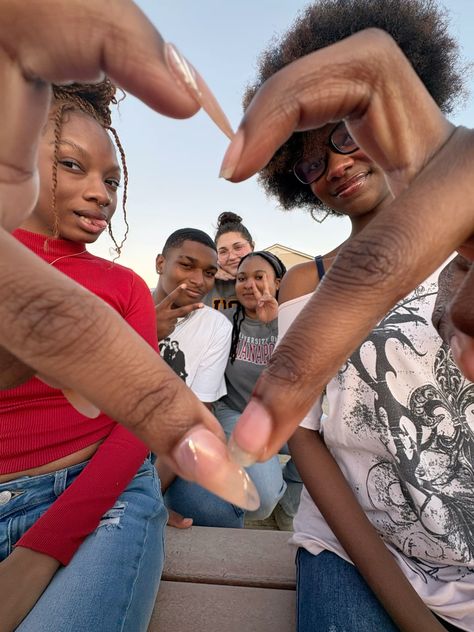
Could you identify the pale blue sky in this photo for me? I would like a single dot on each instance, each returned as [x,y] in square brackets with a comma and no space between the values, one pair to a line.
[173,165]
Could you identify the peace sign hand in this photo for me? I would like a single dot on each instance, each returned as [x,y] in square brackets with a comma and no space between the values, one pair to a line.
[167,313]
[267,305]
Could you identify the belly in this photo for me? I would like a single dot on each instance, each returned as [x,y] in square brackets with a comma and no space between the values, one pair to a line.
[59,464]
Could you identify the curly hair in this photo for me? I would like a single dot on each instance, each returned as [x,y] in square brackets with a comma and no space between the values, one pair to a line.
[229,222]
[94,100]
[419,27]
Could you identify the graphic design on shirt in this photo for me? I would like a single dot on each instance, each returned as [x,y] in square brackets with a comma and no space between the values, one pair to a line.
[174,357]
[423,494]
[255,350]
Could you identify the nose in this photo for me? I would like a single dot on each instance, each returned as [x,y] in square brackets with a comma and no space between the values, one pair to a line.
[196,277]
[97,191]
[338,164]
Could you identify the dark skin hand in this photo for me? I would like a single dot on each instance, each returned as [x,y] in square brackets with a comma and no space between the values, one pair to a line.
[366,80]
[167,313]
[47,321]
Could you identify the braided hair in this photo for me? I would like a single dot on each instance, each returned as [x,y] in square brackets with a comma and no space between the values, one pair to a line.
[239,314]
[93,99]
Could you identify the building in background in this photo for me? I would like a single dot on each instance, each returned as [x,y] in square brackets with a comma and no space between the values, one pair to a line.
[289,256]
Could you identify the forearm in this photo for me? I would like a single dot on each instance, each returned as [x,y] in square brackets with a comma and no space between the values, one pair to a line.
[24,575]
[336,501]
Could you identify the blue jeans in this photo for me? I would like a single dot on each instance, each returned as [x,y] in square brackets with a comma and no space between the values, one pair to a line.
[332,596]
[111,583]
[267,477]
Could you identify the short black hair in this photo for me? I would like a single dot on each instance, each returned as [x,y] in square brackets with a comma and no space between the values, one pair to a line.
[419,27]
[176,239]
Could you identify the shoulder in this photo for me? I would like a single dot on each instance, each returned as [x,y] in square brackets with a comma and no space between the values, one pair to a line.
[300,280]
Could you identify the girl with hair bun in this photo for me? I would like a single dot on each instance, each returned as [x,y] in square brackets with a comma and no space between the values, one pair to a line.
[81,512]
[233,241]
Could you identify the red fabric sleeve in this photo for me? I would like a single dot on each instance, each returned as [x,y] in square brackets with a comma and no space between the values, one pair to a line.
[77,512]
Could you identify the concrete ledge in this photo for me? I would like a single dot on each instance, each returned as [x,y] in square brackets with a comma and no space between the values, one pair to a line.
[183,607]
[239,557]
[217,580]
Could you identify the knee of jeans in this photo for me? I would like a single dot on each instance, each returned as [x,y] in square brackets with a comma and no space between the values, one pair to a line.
[269,497]
[112,518]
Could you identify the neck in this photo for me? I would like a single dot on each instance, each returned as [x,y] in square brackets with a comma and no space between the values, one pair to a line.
[360,222]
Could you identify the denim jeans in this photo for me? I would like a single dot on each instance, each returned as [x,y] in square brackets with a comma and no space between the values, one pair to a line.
[111,583]
[332,596]
[267,477]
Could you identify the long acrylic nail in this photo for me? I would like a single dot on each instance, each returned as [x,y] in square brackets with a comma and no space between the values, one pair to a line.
[251,434]
[203,458]
[188,76]
[232,156]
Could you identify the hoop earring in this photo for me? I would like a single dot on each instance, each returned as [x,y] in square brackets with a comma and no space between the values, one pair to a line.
[317,219]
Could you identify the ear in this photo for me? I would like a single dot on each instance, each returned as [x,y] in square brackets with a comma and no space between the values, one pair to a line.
[160,262]
[277,283]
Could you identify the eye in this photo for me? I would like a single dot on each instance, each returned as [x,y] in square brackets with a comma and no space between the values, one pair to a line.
[186,266]
[113,183]
[240,279]
[210,273]
[70,164]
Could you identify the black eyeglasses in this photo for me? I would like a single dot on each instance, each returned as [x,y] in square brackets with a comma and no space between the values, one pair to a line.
[340,141]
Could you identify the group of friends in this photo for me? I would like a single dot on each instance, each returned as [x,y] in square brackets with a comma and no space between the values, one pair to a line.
[115,396]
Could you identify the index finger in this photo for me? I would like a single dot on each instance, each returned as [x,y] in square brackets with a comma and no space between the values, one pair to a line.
[395,252]
[266,287]
[349,80]
[172,296]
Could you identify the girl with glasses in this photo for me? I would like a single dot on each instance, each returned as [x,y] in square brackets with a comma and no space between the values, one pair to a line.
[233,241]
[398,416]
[81,512]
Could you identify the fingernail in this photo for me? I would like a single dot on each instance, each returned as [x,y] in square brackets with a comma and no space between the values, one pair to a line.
[251,434]
[189,77]
[232,156]
[203,458]
[182,70]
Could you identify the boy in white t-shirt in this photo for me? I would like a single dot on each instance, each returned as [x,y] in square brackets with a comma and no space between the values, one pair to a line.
[198,349]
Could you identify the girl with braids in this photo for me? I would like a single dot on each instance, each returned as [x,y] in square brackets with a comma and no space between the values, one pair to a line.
[81,512]
[399,413]
[233,241]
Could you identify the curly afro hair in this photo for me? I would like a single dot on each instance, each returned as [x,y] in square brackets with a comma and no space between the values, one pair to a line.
[419,27]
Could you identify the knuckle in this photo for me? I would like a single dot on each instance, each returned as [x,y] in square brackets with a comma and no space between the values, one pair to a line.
[147,410]
[51,323]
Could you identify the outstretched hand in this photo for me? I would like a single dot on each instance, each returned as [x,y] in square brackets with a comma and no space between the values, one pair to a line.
[366,80]
[167,313]
[47,321]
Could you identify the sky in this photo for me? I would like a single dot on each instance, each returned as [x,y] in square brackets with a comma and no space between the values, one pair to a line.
[173,165]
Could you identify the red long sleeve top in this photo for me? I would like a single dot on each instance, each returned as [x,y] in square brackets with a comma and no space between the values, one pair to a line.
[38,425]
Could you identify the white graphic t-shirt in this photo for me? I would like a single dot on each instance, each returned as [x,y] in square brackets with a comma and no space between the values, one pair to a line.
[198,350]
[400,424]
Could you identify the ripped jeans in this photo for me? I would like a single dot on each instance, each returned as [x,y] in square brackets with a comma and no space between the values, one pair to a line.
[111,583]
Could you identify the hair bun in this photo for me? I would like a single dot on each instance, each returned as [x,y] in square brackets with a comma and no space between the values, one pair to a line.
[227,217]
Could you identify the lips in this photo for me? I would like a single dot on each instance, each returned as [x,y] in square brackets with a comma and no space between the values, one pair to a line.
[91,222]
[351,185]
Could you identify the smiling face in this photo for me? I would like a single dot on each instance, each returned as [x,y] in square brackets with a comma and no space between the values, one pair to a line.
[88,176]
[252,273]
[352,184]
[191,263]
[231,247]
